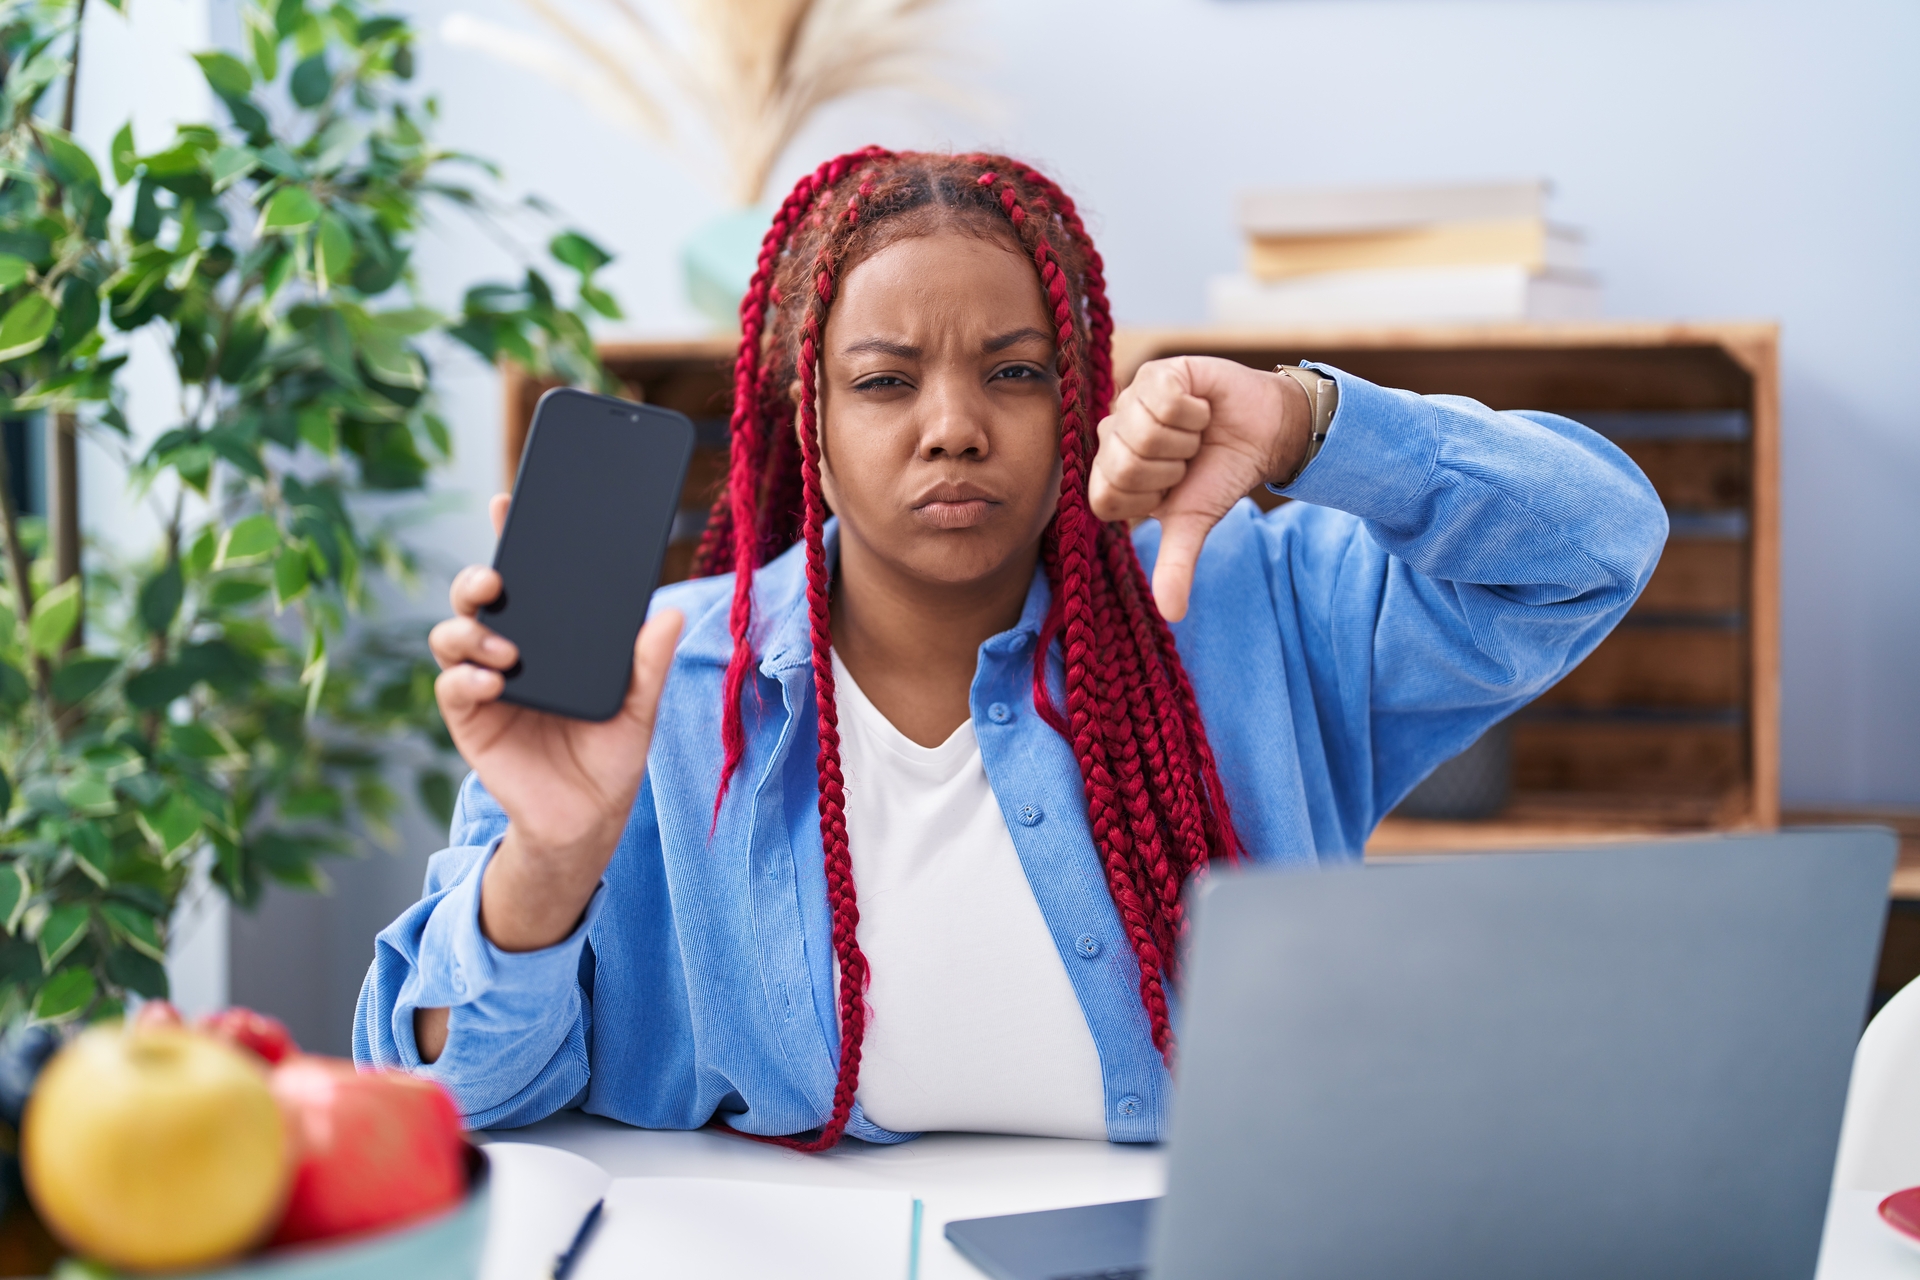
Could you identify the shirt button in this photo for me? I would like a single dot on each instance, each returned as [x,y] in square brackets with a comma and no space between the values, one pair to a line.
[1087,945]
[999,713]
[1029,815]
[1130,1105]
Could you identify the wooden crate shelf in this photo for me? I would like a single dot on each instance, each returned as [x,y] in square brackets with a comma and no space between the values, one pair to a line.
[1672,724]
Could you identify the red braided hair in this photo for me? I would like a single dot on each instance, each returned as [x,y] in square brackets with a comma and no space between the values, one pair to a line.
[1155,803]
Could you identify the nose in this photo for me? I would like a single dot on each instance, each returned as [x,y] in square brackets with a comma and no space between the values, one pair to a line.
[953,418]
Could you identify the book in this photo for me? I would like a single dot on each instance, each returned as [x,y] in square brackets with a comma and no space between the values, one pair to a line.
[1413,294]
[1299,211]
[1532,243]
[688,1228]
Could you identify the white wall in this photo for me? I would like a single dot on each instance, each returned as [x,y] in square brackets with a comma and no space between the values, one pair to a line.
[1731,159]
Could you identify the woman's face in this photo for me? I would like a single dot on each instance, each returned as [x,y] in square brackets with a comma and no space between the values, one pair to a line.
[941,409]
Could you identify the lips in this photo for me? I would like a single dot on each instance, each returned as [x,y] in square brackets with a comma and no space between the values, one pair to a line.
[954,506]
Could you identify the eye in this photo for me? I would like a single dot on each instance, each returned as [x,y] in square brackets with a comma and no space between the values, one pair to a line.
[879,382]
[1017,372]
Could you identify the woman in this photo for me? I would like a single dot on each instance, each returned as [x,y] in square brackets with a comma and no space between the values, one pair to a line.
[903,847]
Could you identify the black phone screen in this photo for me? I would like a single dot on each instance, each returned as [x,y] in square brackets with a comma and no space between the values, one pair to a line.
[592,511]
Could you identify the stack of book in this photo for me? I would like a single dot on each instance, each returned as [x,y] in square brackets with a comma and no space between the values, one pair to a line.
[1358,255]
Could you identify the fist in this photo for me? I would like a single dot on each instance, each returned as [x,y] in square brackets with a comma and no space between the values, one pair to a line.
[1189,438]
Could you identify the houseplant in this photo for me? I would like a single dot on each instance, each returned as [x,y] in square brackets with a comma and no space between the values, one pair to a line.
[193,709]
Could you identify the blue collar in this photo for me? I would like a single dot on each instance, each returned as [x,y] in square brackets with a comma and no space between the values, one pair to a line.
[781,629]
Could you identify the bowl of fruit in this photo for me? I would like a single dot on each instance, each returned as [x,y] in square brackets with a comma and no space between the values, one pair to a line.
[219,1151]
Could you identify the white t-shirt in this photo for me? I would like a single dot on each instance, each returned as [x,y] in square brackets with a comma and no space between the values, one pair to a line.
[973,1023]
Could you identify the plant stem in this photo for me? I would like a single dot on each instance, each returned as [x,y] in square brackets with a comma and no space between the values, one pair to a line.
[64,482]
[73,67]
[19,569]
[64,492]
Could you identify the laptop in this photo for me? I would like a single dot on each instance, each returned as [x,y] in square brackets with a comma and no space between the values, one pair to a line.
[1609,1062]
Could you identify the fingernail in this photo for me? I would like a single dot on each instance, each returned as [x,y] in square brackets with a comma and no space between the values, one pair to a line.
[494,646]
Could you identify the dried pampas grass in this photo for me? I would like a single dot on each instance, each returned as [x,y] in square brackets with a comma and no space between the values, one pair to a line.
[753,71]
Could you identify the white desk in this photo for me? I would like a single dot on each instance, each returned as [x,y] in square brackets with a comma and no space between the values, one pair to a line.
[954,1175]
[970,1176]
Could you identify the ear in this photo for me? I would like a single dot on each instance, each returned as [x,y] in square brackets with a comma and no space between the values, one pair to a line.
[793,392]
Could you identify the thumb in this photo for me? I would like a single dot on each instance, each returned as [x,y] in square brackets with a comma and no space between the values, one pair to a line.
[1181,537]
[652,655]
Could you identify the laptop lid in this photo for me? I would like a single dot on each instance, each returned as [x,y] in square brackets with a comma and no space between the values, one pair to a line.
[1625,1061]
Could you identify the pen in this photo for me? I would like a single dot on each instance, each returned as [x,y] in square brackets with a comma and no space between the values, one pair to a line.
[563,1265]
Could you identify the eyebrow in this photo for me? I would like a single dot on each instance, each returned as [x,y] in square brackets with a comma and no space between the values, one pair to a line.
[882,347]
[1014,338]
[907,351]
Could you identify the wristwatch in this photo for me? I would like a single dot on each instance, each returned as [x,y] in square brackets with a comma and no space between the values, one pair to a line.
[1323,394]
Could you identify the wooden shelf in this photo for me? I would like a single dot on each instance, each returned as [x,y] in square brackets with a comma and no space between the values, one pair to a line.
[1671,725]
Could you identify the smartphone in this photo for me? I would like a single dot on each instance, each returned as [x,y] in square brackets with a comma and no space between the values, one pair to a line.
[592,512]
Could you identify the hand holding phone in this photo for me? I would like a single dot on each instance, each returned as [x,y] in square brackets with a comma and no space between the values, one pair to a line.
[567,784]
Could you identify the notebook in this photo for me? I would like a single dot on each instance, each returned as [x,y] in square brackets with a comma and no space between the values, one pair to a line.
[689,1228]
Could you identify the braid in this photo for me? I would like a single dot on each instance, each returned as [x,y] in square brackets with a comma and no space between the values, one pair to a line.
[739,508]
[1155,804]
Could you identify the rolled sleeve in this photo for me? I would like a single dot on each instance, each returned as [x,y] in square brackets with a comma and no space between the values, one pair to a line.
[459,966]
[1380,452]
[517,1021]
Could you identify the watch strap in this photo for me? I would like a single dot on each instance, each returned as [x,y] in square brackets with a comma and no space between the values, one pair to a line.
[1323,395]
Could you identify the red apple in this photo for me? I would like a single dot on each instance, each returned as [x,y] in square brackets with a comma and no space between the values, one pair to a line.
[377,1148]
[156,1013]
[268,1037]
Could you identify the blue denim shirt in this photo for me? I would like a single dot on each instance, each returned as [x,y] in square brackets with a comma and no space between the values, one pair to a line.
[1442,564]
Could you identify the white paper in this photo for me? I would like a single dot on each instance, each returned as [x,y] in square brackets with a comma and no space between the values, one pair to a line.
[710,1229]
[537,1197]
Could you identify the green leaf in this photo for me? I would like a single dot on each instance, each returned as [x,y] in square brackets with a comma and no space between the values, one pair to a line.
[64,995]
[407,321]
[289,576]
[265,43]
[14,689]
[602,301]
[157,686]
[437,794]
[228,592]
[333,250]
[15,890]
[578,252]
[24,329]
[80,675]
[226,74]
[251,539]
[160,598]
[6,795]
[316,426]
[438,433]
[290,209]
[13,270]
[230,164]
[87,791]
[123,154]
[65,925]
[310,81]
[91,851]
[141,931]
[177,161]
[197,742]
[55,615]
[140,974]
[391,362]
[68,160]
